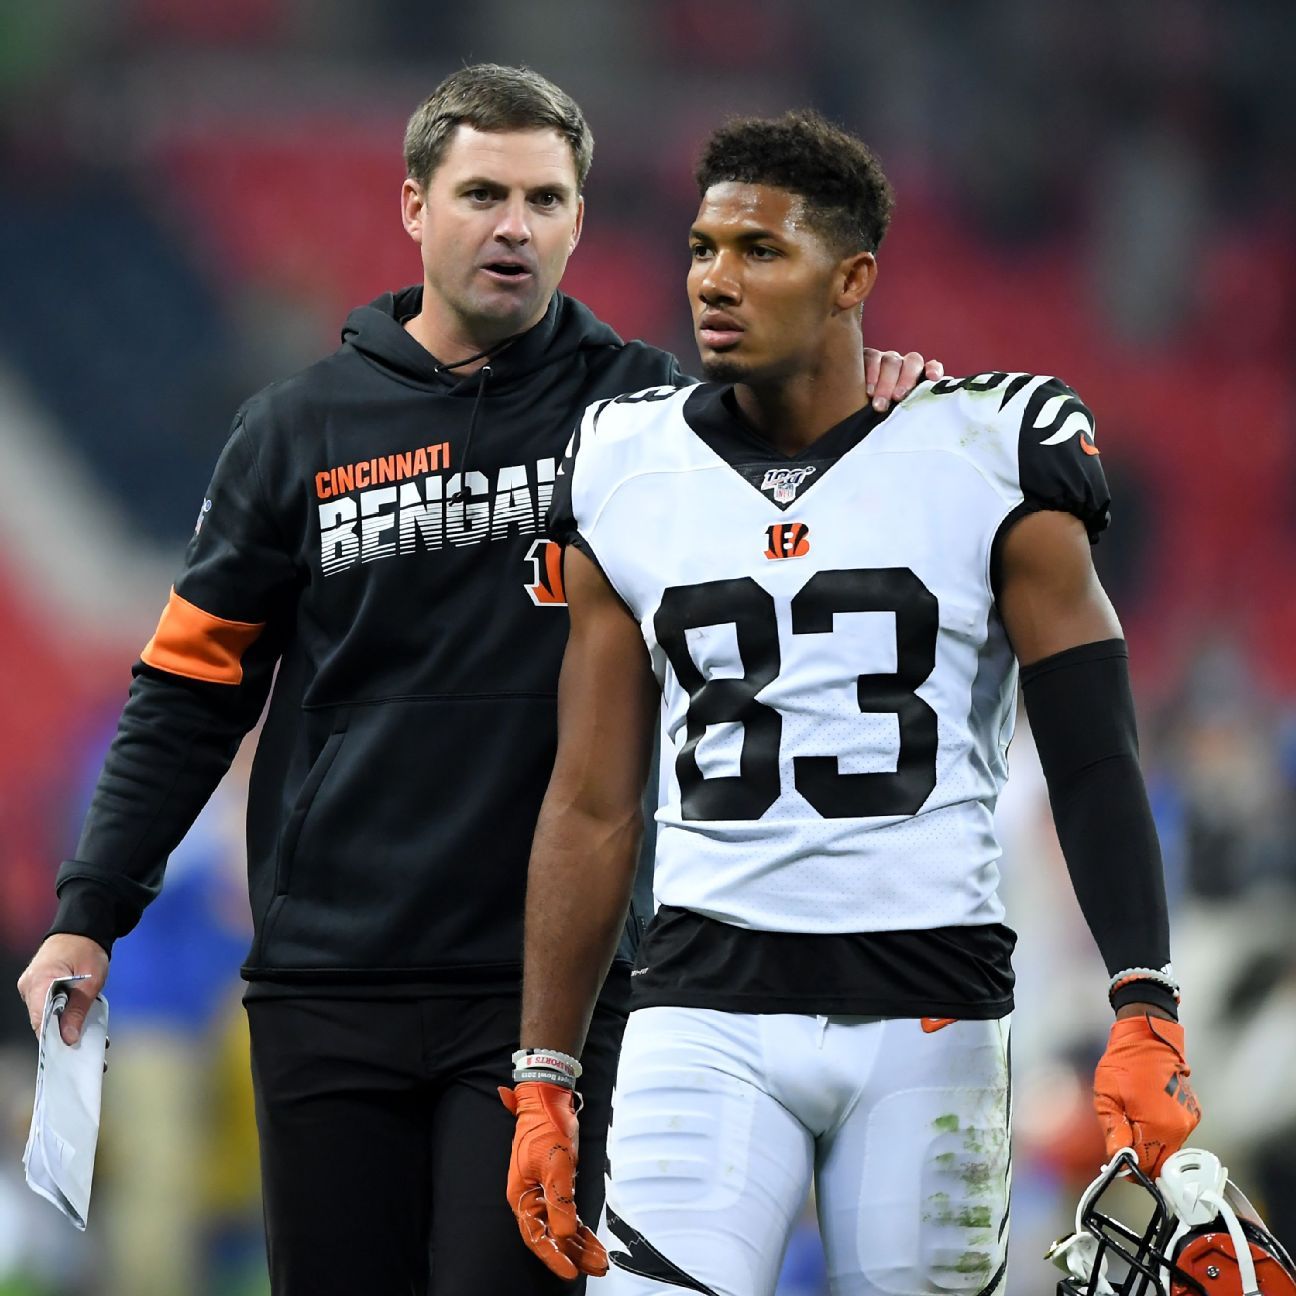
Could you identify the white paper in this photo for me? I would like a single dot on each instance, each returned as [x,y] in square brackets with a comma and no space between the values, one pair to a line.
[60,1154]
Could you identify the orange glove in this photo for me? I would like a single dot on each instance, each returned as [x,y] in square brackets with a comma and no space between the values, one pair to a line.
[542,1179]
[1141,1091]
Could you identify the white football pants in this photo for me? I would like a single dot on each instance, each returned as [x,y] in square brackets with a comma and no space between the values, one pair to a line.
[720,1119]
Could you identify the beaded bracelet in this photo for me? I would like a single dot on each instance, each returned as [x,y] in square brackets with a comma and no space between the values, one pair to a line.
[1158,976]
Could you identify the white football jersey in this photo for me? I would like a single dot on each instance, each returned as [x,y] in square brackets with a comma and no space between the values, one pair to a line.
[837,689]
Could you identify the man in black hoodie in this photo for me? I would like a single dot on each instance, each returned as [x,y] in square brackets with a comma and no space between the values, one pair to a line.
[373,530]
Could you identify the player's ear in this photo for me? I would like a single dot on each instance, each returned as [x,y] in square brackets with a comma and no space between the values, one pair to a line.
[413,205]
[580,223]
[856,277]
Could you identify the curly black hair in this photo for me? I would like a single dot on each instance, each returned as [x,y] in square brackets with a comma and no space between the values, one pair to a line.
[849,199]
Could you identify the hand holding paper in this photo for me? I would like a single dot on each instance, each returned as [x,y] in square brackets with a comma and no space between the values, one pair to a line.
[60,1154]
[65,956]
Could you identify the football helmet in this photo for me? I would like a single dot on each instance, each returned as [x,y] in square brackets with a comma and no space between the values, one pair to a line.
[1203,1239]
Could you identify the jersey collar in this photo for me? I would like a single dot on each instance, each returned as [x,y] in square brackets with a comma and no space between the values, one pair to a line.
[711,410]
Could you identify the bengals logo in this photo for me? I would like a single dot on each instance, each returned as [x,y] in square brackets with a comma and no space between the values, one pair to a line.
[545,588]
[787,540]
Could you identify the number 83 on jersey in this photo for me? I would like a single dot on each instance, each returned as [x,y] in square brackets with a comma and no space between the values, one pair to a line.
[721,639]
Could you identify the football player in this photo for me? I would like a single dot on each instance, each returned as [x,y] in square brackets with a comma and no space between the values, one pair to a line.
[831,610]
[367,547]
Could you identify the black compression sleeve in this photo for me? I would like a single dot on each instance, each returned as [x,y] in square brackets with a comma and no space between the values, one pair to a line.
[1081,712]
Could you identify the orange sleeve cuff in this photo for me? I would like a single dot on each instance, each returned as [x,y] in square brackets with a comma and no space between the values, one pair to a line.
[197,645]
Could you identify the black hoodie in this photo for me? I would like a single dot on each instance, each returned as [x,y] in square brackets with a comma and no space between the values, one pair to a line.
[399,579]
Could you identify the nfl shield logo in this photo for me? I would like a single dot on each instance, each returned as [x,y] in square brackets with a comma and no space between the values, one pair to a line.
[783,483]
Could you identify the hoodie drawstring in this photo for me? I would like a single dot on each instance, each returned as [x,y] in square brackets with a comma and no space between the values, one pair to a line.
[463,492]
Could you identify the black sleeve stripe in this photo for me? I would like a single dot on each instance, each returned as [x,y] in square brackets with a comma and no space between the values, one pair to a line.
[1040,397]
[1014,387]
[648,394]
[598,413]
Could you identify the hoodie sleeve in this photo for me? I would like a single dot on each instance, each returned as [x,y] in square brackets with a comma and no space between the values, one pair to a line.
[198,688]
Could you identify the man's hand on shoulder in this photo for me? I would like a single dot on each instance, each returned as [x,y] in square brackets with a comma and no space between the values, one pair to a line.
[1141,1091]
[64,955]
[889,376]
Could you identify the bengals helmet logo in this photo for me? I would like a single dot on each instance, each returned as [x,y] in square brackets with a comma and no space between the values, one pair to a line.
[545,588]
[787,540]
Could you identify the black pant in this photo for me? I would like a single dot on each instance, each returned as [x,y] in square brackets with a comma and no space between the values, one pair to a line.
[385,1147]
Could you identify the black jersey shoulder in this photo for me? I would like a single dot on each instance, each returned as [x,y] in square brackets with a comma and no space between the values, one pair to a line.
[1058,459]
[1052,432]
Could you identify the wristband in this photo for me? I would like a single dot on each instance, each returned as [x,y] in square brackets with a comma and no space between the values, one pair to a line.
[1145,985]
[543,1075]
[558,1068]
[1158,976]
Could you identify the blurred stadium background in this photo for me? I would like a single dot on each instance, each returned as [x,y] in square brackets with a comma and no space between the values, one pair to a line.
[193,194]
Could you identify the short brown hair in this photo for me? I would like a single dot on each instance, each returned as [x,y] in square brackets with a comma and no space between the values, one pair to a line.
[489,97]
[848,198]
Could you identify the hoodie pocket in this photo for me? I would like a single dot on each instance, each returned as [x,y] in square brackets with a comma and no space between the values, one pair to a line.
[301,810]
